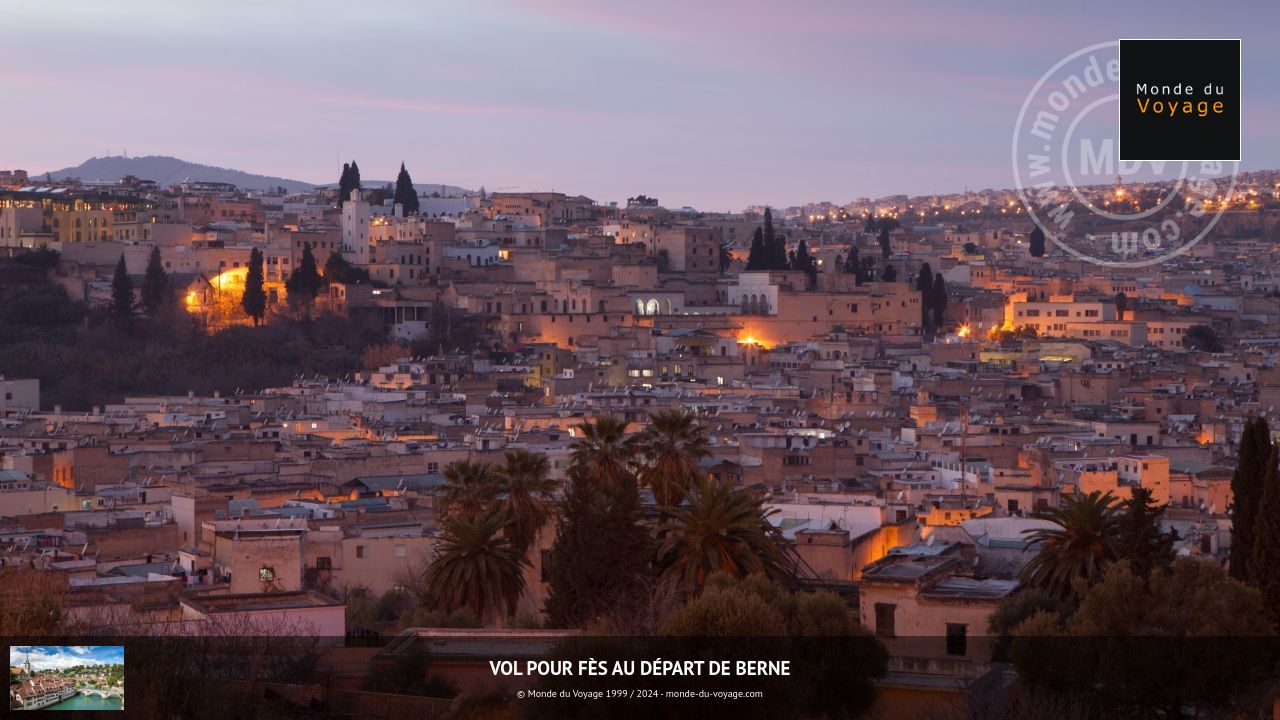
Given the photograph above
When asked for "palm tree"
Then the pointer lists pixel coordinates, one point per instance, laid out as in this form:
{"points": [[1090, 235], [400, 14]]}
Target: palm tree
{"points": [[526, 495], [469, 488], [476, 566], [1083, 541], [671, 447], [602, 454], [720, 529]]}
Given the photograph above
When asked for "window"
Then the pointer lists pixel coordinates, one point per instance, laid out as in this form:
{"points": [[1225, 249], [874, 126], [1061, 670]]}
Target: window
{"points": [[884, 619], [267, 574], [324, 563], [360, 551], [957, 639]]}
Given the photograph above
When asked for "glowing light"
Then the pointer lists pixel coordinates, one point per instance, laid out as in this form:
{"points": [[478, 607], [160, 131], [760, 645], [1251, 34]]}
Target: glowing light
{"points": [[964, 331]]}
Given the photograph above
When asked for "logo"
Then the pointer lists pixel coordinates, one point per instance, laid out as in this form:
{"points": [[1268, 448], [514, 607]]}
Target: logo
{"points": [[1087, 200]]}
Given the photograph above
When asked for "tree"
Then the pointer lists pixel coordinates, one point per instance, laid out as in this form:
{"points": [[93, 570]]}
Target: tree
{"points": [[1265, 567], [525, 494], [602, 455], [726, 258], [1035, 242], [337, 269], [885, 248], [775, 246], [476, 567], [756, 258], [469, 488], [924, 285], [671, 448], [1083, 541], [1246, 489], [121, 307], [721, 529], [406, 196], [304, 282], [1203, 338], [602, 554], [349, 181], [155, 284], [938, 299], [970, 249], [1140, 540], [254, 300], [1189, 637], [1122, 302], [889, 274]]}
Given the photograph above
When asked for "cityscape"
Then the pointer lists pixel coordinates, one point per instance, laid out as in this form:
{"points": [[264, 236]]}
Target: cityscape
{"points": [[61, 678], [446, 430]]}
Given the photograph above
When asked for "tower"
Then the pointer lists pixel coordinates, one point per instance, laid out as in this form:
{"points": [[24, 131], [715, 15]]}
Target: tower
{"points": [[26, 664]]}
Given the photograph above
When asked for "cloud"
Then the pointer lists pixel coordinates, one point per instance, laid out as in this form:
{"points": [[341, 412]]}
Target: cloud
{"points": [[58, 657]]}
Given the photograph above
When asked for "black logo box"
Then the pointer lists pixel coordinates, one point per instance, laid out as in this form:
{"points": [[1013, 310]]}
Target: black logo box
{"points": [[1186, 65]]}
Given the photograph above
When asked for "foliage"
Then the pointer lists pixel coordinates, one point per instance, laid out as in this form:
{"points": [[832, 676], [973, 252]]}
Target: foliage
{"points": [[337, 269], [1265, 567], [1083, 541], [525, 496], [121, 307], [720, 529], [601, 556], [469, 488], [938, 300], [156, 292], [349, 181], [406, 196], [168, 354], [768, 249], [1139, 539], [38, 257], [1035, 242], [254, 300], [1203, 338], [1246, 488], [476, 567], [1189, 637], [602, 455], [304, 283], [671, 447]]}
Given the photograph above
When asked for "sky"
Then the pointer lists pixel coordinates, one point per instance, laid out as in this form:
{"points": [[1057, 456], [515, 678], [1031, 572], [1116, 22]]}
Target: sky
{"points": [[707, 103], [58, 657]]}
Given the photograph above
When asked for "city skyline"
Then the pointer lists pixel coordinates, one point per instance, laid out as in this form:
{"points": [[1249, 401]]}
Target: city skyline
{"points": [[60, 657], [700, 107]]}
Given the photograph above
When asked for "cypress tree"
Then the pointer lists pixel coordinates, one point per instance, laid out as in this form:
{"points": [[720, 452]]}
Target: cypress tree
{"points": [[121, 307], [939, 300], [1246, 488], [775, 247], [601, 555], [254, 300], [344, 183], [355, 176], [155, 284], [885, 249], [304, 282], [756, 259], [1036, 242], [1265, 565], [405, 195], [924, 285], [889, 274]]}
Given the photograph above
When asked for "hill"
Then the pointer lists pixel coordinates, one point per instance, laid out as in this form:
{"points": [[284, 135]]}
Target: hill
{"points": [[168, 171]]}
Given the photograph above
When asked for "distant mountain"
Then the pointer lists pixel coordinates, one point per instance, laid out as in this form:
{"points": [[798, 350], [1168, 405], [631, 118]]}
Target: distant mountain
{"points": [[168, 171]]}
